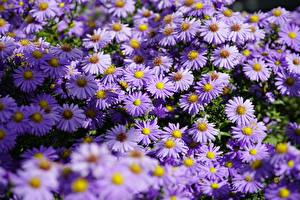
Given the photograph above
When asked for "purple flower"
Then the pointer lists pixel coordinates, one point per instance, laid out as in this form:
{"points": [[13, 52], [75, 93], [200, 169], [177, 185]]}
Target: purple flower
{"points": [[182, 79], [226, 57], [202, 131], [287, 83], [7, 108], [208, 153], [28, 79], [191, 103], [54, 67], [214, 188], [239, 111], [7, 139], [254, 152], [208, 90], [293, 131], [71, 118], [170, 148], [137, 104], [173, 131], [65, 51], [290, 35], [188, 29], [160, 87], [96, 63], [257, 70], [193, 59], [7, 46], [82, 86], [281, 191], [168, 35], [293, 61], [149, 131], [98, 40], [120, 32], [246, 183], [239, 31], [214, 31], [44, 9], [121, 8]]}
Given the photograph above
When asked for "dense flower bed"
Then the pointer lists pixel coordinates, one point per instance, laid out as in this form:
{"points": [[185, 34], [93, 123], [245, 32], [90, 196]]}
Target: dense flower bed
{"points": [[148, 99]]}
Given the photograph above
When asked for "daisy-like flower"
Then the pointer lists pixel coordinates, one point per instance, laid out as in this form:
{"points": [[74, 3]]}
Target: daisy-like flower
{"points": [[239, 31], [54, 67], [208, 90], [253, 132], [256, 33], [19, 121], [208, 153], [4, 26], [293, 131], [214, 188], [134, 44], [99, 39], [214, 31], [290, 35], [187, 30], [65, 51], [173, 131], [246, 182], [7, 108], [226, 57], [254, 152], [121, 140], [40, 153], [257, 70], [137, 104], [202, 131], [213, 171], [149, 131], [82, 86], [121, 8], [71, 118], [293, 61], [168, 35], [119, 31], [281, 191], [161, 64], [40, 123], [91, 158], [170, 148], [239, 111], [7, 46], [111, 73], [137, 76], [105, 96], [160, 87], [94, 117], [193, 59], [7, 139], [191, 103], [44, 9], [182, 79], [28, 79], [278, 16], [287, 83], [96, 63], [80, 188]]}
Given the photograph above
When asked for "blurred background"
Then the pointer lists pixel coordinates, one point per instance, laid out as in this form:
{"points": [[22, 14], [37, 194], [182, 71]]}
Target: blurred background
{"points": [[264, 5]]}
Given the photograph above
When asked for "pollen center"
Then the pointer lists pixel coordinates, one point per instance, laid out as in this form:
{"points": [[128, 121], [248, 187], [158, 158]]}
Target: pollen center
{"points": [[247, 131], [202, 127], [2, 134], [146, 131], [35, 182], [43, 6], [284, 193], [281, 148], [193, 98], [177, 134], [292, 35], [213, 28], [170, 144], [160, 85], [137, 102], [207, 87], [192, 55], [241, 110], [139, 74], [117, 178], [79, 185], [210, 155]]}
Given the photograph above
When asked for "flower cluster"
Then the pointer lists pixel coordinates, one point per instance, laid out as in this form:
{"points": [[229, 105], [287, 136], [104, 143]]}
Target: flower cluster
{"points": [[148, 99]]}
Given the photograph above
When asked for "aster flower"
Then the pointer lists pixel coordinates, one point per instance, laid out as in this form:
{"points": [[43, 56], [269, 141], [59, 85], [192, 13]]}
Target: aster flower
{"points": [[54, 67], [290, 35], [208, 153], [137, 104], [213, 171], [80, 188], [119, 31], [96, 63], [7, 139], [121, 8], [214, 31], [99, 39], [239, 31], [28, 79], [202, 131], [160, 87], [246, 182], [7, 46], [256, 33], [214, 188], [188, 30], [161, 64], [4, 26], [226, 57], [121, 140], [293, 131], [7, 108], [254, 152], [173, 131], [40, 153], [65, 51], [239, 111], [170, 148], [191, 103], [149, 131], [208, 90], [182, 79], [193, 59], [278, 16], [287, 83], [132, 45], [281, 191], [105, 96], [168, 35], [293, 61], [82, 86], [40, 123], [71, 117], [256, 70]]}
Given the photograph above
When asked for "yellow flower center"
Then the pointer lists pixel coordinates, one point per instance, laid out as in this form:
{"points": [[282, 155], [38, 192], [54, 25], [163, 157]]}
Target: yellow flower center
{"points": [[18, 117], [276, 12], [284, 193], [198, 6], [168, 31], [44, 104], [193, 98], [137, 102], [28, 75], [177, 134], [135, 168], [240, 110], [188, 2], [139, 74], [248, 178], [297, 131], [185, 26], [101, 94], [170, 108], [67, 114], [36, 117], [210, 155], [281, 148], [117, 178], [207, 87], [213, 170], [81, 82], [110, 70], [227, 13], [253, 152], [170, 144], [37, 54], [119, 3], [256, 164], [38, 156], [254, 18], [117, 27], [94, 59], [188, 162], [290, 163], [146, 131], [160, 85], [158, 171], [214, 186], [228, 164], [202, 126], [143, 27], [292, 35], [2, 134], [35, 182], [246, 52], [80, 185], [192, 55], [43, 6], [289, 81], [135, 44], [23, 42], [247, 131], [53, 62]]}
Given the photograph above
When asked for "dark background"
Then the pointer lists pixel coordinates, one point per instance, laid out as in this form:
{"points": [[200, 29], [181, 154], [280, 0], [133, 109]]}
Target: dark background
{"points": [[264, 5]]}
